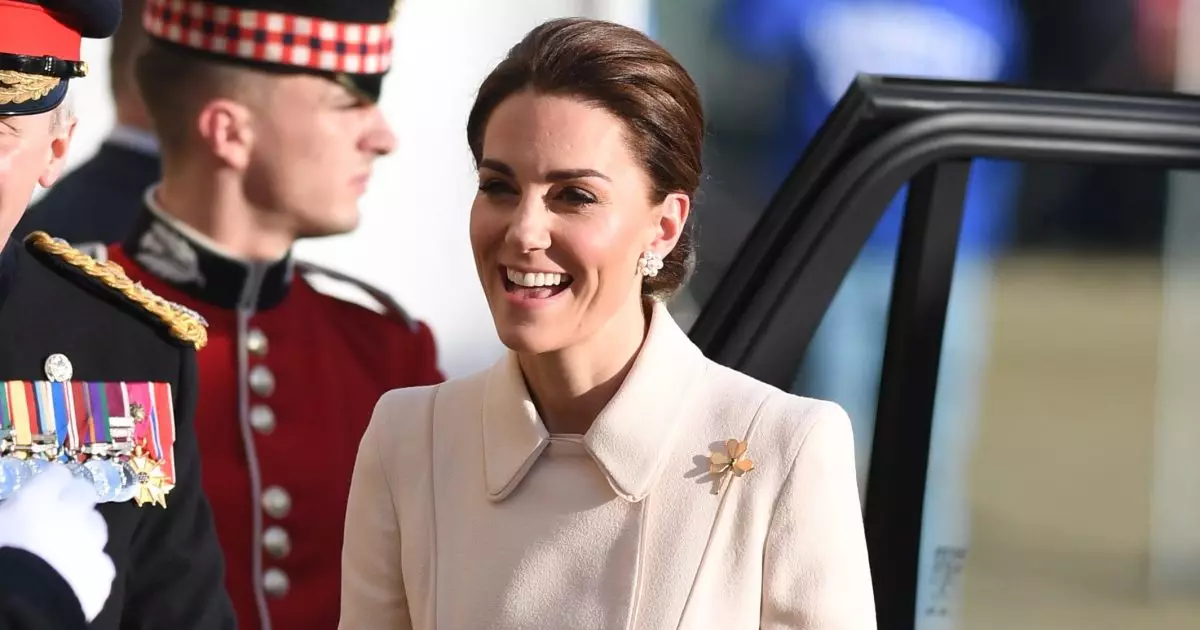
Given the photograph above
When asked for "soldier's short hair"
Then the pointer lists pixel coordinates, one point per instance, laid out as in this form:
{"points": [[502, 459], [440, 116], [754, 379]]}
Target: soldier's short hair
{"points": [[176, 85]]}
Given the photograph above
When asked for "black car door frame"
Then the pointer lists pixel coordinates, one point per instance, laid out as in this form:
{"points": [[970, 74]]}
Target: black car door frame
{"points": [[884, 133]]}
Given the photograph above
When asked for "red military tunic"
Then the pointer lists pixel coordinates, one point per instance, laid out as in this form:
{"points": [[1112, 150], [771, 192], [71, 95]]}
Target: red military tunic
{"points": [[287, 385]]}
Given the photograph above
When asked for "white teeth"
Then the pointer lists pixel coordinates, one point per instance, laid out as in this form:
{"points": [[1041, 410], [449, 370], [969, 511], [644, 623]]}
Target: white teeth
{"points": [[536, 279]]}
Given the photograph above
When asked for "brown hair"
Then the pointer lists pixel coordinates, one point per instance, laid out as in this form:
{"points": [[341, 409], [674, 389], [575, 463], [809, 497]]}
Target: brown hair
{"points": [[629, 75]]}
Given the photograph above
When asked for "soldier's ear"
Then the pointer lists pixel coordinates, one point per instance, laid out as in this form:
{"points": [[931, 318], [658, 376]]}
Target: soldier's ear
{"points": [[225, 127], [62, 129]]}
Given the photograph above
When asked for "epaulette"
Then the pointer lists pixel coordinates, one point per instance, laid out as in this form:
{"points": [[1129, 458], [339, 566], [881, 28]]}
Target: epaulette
{"points": [[184, 323], [95, 249], [353, 290]]}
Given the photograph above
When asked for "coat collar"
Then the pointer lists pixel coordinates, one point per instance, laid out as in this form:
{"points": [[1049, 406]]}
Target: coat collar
{"points": [[632, 437], [191, 262]]}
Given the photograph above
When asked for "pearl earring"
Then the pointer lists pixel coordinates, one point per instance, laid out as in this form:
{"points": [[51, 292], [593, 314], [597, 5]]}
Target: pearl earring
{"points": [[649, 264]]}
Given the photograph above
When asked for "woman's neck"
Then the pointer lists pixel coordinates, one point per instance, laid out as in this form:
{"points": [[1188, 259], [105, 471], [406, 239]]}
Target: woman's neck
{"points": [[570, 387]]}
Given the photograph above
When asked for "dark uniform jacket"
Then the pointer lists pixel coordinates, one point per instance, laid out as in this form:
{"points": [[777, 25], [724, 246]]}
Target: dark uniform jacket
{"points": [[98, 200], [33, 595], [169, 565], [297, 357]]}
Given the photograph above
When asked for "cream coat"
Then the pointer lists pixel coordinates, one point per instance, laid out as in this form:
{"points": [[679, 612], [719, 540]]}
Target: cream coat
{"points": [[465, 514]]}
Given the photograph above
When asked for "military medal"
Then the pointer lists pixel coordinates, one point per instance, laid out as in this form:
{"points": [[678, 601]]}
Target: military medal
{"points": [[42, 451], [106, 478], [129, 483], [58, 368], [79, 470], [13, 473], [37, 465], [152, 483], [118, 436]]}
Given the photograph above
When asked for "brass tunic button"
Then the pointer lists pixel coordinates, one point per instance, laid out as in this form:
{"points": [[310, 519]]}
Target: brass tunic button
{"points": [[277, 542], [276, 502], [262, 381], [262, 419], [276, 582], [256, 342]]}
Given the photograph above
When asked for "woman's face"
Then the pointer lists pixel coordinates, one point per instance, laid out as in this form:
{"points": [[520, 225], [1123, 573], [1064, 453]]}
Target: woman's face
{"points": [[563, 212]]}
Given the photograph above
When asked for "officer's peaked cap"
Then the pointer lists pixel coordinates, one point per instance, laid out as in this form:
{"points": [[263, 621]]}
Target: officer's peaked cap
{"points": [[40, 43]]}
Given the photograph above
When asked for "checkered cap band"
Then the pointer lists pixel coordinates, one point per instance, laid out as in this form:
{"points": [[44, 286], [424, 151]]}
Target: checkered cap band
{"points": [[270, 37]]}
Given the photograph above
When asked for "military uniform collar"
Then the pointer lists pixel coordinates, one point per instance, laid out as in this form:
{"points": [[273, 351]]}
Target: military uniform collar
{"points": [[192, 263], [632, 437]]}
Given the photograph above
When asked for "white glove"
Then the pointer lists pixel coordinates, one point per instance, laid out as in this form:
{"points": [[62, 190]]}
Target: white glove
{"points": [[54, 517]]}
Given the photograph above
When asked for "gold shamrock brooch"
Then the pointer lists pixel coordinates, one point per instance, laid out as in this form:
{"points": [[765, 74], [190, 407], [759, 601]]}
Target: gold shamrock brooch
{"points": [[732, 463]]}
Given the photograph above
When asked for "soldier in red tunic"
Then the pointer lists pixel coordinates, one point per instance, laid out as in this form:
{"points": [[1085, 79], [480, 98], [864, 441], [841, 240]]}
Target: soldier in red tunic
{"points": [[266, 115]]}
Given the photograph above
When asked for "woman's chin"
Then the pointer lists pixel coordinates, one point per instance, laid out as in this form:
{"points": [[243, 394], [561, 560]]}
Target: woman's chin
{"points": [[527, 339]]}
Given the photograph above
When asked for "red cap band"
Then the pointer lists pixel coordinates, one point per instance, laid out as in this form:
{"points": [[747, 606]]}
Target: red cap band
{"points": [[28, 29], [271, 37]]}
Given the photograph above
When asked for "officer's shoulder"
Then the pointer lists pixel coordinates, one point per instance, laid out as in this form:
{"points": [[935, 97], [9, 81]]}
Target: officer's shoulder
{"points": [[354, 292], [88, 268], [95, 249]]}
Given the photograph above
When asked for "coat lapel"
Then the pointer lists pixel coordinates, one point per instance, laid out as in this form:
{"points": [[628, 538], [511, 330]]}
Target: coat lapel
{"points": [[631, 440], [634, 437], [672, 564], [652, 442], [513, 434]]}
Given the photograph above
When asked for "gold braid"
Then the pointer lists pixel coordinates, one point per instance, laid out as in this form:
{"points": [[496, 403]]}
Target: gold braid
{"points": [[183, 324], [18, 87]]}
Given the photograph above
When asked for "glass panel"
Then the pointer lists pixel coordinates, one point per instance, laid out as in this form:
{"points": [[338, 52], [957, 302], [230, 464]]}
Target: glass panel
{"points": [[844, 358], [1058, 496], [1061, 493], [1061, 489]]}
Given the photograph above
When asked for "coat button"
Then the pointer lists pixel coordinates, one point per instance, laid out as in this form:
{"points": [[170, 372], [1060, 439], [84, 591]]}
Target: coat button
{"points": [[277, 542], [276, 502], [262, 419], [276, 582], [262, 381], [256, 342]]}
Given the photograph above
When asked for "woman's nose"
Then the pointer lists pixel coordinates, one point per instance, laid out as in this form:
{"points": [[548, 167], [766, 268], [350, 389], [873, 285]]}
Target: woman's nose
{"points": [[529, 230]]}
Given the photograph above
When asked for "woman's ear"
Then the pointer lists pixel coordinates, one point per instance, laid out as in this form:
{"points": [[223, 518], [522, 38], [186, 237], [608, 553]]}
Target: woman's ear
{"points": [[671, 218]]}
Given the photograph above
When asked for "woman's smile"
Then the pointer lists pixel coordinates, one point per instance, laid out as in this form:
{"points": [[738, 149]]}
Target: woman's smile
{"points": [[531, 288]]}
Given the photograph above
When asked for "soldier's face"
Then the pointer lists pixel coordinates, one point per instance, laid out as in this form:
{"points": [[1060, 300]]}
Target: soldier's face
{"points": [[33, 150], [314, 146]]}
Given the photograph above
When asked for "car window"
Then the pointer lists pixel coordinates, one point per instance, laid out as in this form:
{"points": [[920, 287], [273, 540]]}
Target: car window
{"points": [[1060, 493]]}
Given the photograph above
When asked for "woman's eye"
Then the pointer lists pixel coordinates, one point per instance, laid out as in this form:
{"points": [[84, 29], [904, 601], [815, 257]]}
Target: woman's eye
{"points": [[577, 196], [494, 187]]}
